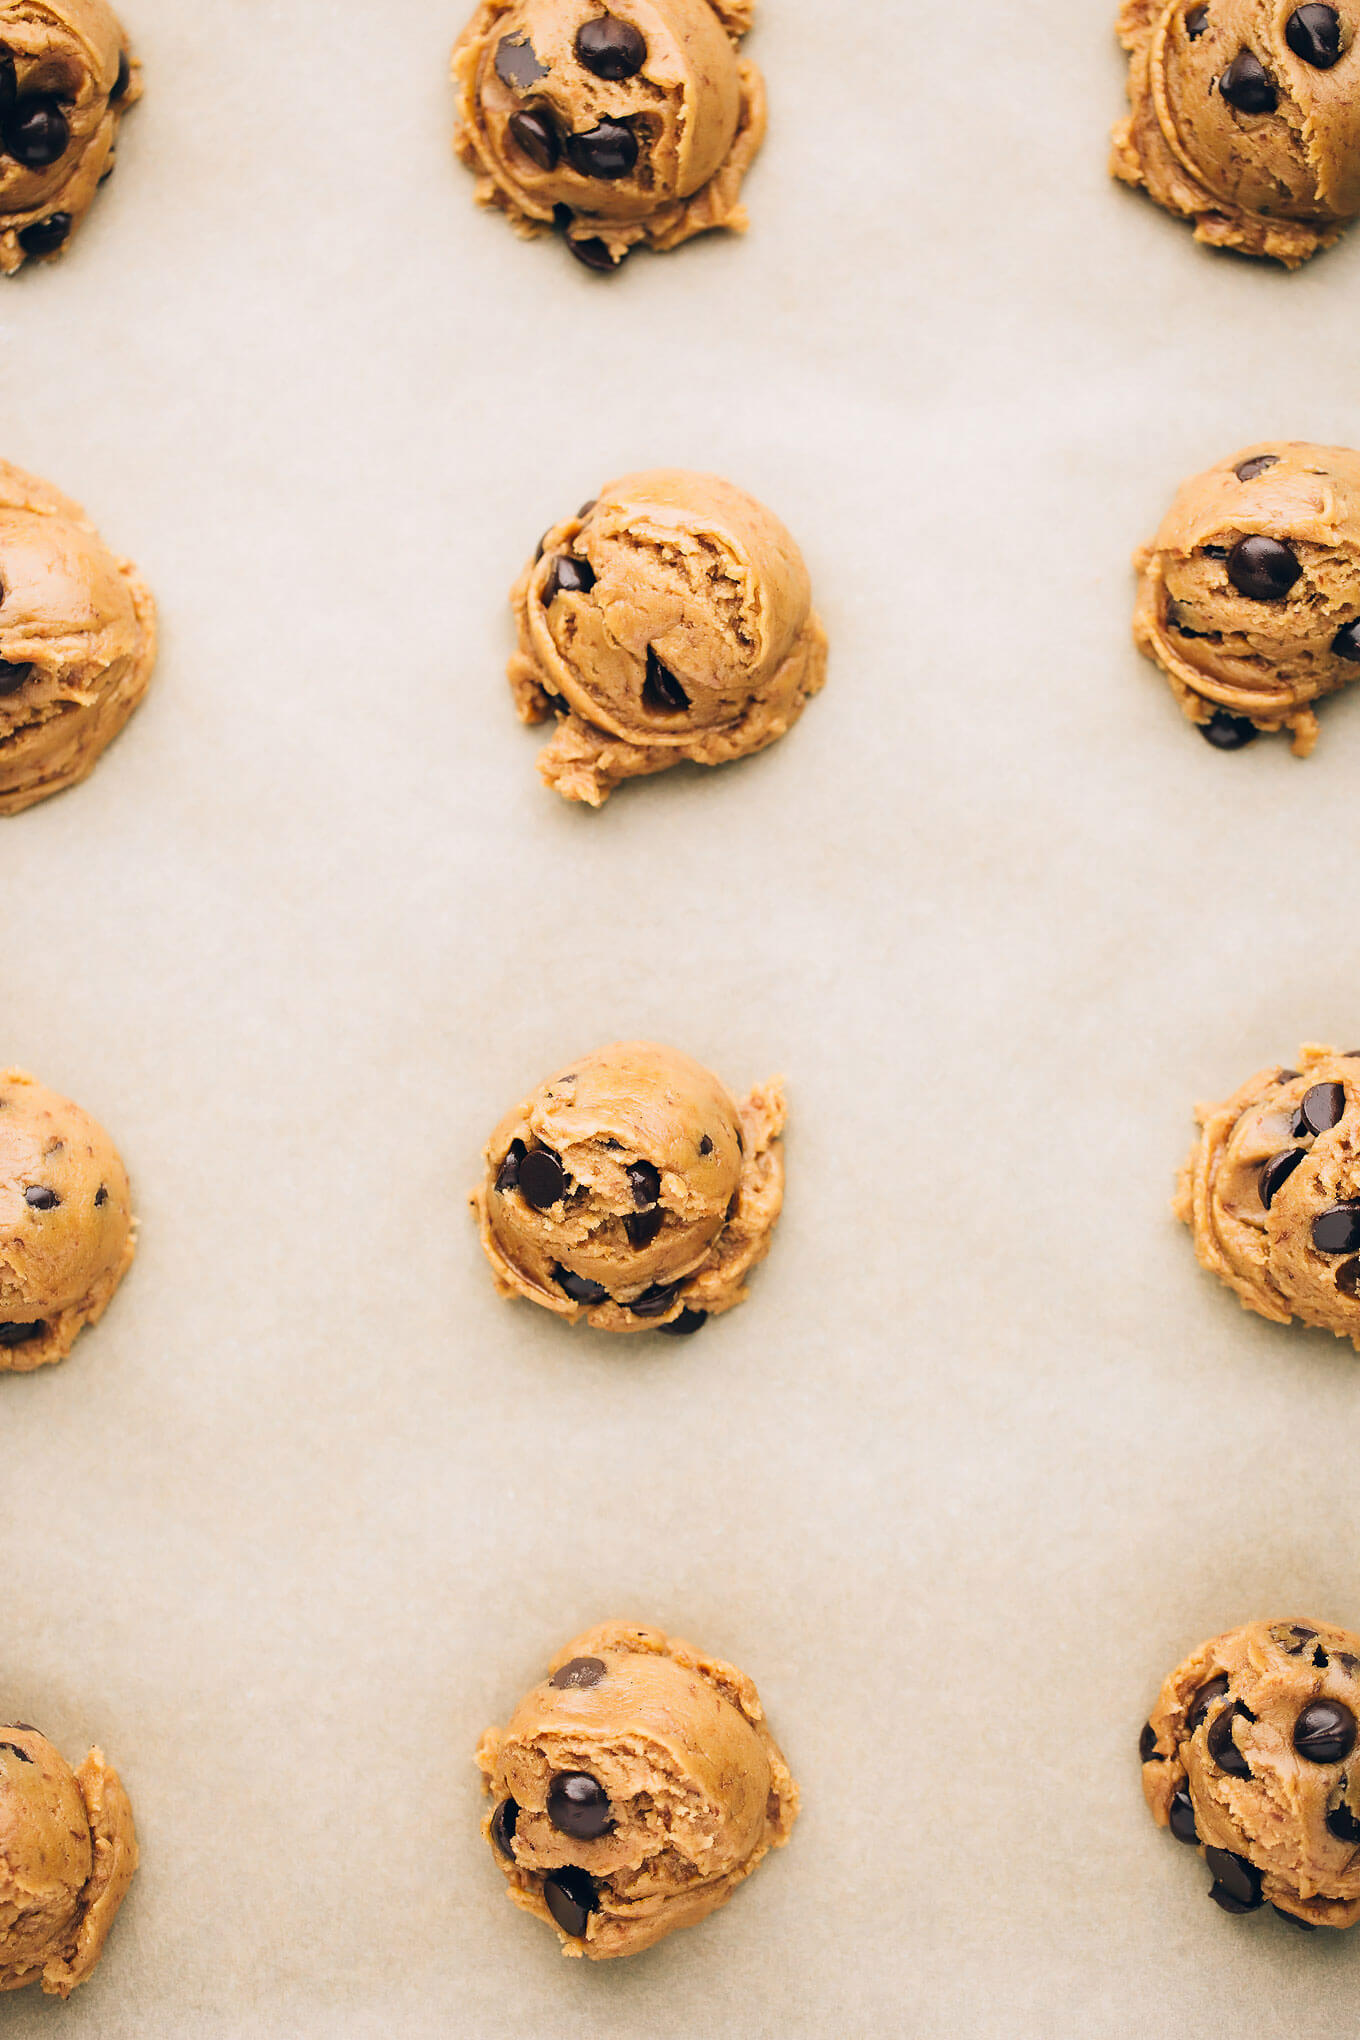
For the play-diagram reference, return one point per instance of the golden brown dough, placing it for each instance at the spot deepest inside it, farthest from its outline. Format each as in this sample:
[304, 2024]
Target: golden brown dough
[1246, 119]
[631, 1191]
[669, 619]
[67, 1234]
[1250, 1754]
[1249, 595]
[1271, 1192]
[68, 1851]
[66, 80]
[618, 128]
[77, 641]
[633, 1791]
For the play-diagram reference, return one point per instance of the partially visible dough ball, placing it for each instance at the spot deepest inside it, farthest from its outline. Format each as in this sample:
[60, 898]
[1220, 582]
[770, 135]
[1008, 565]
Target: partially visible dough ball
[66, 79]
[1271, 1192]
[1250, 1755]
[1246, 119]
[67, 1234]
[632, 1191]
[616, 127]
[77, 641]
[1249, 595]
[68, 1851]
[669, 619]
[633, 1790]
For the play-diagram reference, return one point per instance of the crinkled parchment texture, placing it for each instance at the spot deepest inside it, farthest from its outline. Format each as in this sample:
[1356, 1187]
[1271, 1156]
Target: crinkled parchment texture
[683, 1783]
[68, 1851]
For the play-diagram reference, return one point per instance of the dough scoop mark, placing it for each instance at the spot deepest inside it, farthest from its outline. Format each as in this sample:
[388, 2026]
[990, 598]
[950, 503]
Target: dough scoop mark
[578, 1805]
[1325, 1732]
[533, 130]
[517, 63]
[1246, 85]
[1314, 35]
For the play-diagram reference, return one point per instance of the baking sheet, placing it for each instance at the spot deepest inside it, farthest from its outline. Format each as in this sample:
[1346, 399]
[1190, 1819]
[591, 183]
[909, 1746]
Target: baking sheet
[986, 1454]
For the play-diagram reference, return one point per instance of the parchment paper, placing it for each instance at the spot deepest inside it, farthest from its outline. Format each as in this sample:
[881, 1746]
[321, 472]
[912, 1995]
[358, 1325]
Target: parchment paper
[986, 1453]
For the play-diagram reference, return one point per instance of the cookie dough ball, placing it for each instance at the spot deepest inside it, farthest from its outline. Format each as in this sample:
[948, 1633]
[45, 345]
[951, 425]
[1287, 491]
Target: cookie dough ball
[633, 1790]
[1271, 1192]
[66, 79]
[1245, 119]
[617, 128]
[632, 1191]
[1250, 1755]
[67, 1234]
[68, 1851]
[1249, 595]
[671, 618]
[77, 641]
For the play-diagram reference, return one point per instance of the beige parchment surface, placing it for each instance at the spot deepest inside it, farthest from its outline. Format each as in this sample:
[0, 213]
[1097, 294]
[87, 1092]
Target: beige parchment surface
[986, 1454]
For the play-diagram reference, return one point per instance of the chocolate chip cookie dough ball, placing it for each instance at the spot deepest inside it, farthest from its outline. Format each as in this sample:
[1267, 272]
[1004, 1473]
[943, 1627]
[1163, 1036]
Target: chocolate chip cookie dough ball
[66, 79]
[633, 1192]
[67, 1234]
[1245, 119]
[77, 641]
[617, 128]
[1250, 1755]
[1271, 1192]
[1249, 595]
[669, 619]
[633, 1791]
[68, 1851]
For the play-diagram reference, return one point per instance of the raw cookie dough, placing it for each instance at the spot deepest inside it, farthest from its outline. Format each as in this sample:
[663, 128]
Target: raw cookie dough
[67, 1234]
[632, 1192]
[633, 1790]
[1249, 595]
[1246, 119]
[671, 618]
[1271, 1192]
[68, 1851]
[77, 641]
[1250, 1753]
[617, 128]
[66, 79]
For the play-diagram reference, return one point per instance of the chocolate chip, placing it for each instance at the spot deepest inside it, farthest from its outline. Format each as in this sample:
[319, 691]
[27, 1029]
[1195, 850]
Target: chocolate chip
[1248, 470]
[124, 78]
[9, 85]
[44, 237]
[595, 254]
[101, 1197]
[1323, 1107]
[567, 576]
[1288, 1076]
[1348, 1280]
[586, 508]
[607, 152]
[532, 131]
[1344, 1824]
[1320, 1658]
[1338, 1231]
[40, 1198]
[642, 1227]
[1235, 1876]
[1207, 1697]
[1182, 1818]
[36, 131]
[14, 1749]
[1196, 21]
[1346, 643]
[1325, 1732]
[507, 1178]
[503, 1827]
[1148, 1751]
[517, 63]
[1302, 1639]
[1314, 34]
[1223, 1749]
[661, 691]
[13, 676]
[654, 1302]
[705, 1146]
[645, 1182]
[570, 1897]
[1304, 1926]
[542, 1179]
[578, 1805]
[1263, 569]
[579, 1288]
[1228, 732]
[579, 1672]
[1246, 86]
[1215, 552]
[686, 1325]
[1276, 1173]
[22, 1335]
[612, 49]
